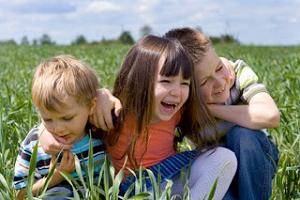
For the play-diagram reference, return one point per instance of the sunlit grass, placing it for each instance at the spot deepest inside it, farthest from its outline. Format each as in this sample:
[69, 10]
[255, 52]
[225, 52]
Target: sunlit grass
[278, 68]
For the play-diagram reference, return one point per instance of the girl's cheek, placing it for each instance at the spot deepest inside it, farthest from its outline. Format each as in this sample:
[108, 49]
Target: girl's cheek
[205, 93]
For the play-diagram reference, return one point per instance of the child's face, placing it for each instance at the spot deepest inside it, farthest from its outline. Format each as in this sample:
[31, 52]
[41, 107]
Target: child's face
[67, 125]
[213, 78]
[170, 93]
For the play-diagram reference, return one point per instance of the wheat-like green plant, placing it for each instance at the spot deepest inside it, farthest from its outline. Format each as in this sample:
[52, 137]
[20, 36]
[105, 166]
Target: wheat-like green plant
[277, 67]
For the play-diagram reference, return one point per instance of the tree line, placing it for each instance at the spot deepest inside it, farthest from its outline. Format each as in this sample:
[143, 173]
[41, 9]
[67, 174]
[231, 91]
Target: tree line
[125, 38]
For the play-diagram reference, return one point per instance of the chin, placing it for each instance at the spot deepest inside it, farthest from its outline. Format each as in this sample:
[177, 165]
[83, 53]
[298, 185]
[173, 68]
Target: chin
[217, 101]
[72, 141]
[222, 99]
[165, 118]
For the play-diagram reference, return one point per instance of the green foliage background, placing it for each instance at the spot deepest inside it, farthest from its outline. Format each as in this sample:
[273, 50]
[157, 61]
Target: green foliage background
[277, 67]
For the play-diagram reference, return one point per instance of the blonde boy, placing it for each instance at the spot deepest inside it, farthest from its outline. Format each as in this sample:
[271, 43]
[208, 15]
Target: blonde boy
[242, 106]
[64, 93]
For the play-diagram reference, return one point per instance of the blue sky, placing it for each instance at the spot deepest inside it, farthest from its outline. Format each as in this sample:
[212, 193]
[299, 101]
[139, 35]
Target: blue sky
[266, 22]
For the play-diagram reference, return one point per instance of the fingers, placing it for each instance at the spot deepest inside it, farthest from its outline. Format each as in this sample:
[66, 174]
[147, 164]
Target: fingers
[105, 103]
[67, 157]
[97, 120]
[111, 112]
[52, 162]
[102, 123]
[48, 142]
[118, 106]
[67, 162]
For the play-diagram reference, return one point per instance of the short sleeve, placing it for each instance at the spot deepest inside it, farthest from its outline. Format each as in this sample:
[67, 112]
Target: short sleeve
[247, 81]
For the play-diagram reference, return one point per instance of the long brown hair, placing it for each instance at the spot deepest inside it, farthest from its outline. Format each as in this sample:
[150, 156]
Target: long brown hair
[135, 82]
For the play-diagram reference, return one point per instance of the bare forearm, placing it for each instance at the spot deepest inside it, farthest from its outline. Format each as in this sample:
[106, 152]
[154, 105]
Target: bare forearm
[254, 117]
[21, 194]
[55, 180]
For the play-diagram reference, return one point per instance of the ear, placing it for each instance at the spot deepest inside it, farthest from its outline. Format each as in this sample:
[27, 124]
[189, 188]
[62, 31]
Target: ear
[92, 106]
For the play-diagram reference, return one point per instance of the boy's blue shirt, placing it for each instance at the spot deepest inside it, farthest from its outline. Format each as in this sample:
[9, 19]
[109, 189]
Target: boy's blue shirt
[80, 149]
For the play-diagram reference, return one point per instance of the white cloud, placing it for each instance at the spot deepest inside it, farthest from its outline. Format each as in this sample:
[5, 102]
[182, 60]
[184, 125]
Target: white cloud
[102, 6]
[252, 21]
[143, 6]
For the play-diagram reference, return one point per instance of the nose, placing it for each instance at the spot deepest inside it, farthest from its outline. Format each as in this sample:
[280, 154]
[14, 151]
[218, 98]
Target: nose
[218, 82]
[56, 128]
[176, 89]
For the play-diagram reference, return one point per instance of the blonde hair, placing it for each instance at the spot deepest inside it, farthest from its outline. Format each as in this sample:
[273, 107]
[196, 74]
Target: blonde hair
[63, 76]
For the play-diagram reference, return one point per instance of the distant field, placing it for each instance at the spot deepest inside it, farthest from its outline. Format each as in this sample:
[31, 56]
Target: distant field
[277, 67]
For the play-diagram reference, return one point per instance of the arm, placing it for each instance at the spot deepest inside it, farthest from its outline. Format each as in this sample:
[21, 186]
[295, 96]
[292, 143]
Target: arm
[21, 194]
[55, 180]
[38, 185]
[67, 165]
[106, 102]
[261, 112]
[102, 118]
[49, 143]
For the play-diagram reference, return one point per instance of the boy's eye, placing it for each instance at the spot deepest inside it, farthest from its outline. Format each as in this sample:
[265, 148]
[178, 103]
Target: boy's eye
[203, 82]
[47, 120]
[219, 68]
[68, 118]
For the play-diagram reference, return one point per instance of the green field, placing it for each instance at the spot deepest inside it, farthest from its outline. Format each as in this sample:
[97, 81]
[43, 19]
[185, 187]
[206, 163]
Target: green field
[277, 67]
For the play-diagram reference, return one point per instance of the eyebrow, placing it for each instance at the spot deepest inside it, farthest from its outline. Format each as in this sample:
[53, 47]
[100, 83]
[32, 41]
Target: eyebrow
[68, 115]
[218, 64]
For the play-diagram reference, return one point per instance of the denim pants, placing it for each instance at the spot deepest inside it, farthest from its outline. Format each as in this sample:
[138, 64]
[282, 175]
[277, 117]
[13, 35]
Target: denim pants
[59, 192]
[257, 158]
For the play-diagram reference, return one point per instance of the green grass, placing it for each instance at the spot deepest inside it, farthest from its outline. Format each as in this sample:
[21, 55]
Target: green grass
[277, 67]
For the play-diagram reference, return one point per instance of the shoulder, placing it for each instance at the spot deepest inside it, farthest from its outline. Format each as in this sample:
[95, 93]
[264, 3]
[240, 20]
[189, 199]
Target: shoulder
[83, 144]
[32, 136]
[234, 65]
[239, 66]
[244, 73]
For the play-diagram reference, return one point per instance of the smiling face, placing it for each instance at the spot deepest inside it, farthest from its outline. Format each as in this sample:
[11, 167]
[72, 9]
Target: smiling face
[213, 78]
[68, 124]
[170, 94]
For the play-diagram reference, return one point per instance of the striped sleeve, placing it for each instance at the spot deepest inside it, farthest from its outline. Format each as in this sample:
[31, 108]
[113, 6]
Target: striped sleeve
[247, 81]
[21, 170]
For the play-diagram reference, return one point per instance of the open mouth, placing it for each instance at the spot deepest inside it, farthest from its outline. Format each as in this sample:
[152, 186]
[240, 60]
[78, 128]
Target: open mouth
[63, 139]
[169, 105]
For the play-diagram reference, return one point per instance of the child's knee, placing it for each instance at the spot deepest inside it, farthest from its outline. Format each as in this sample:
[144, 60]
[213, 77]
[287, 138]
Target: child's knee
[245, 138]
[221, 159]
[227, 159]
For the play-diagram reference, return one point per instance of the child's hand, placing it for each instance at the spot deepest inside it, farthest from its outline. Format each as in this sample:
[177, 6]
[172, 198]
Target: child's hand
[67, 163]
[106, 102]
[49, 143]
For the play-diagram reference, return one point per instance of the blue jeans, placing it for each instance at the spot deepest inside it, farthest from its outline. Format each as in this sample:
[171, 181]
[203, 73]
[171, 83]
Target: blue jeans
[257, 163]
[63, 191]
